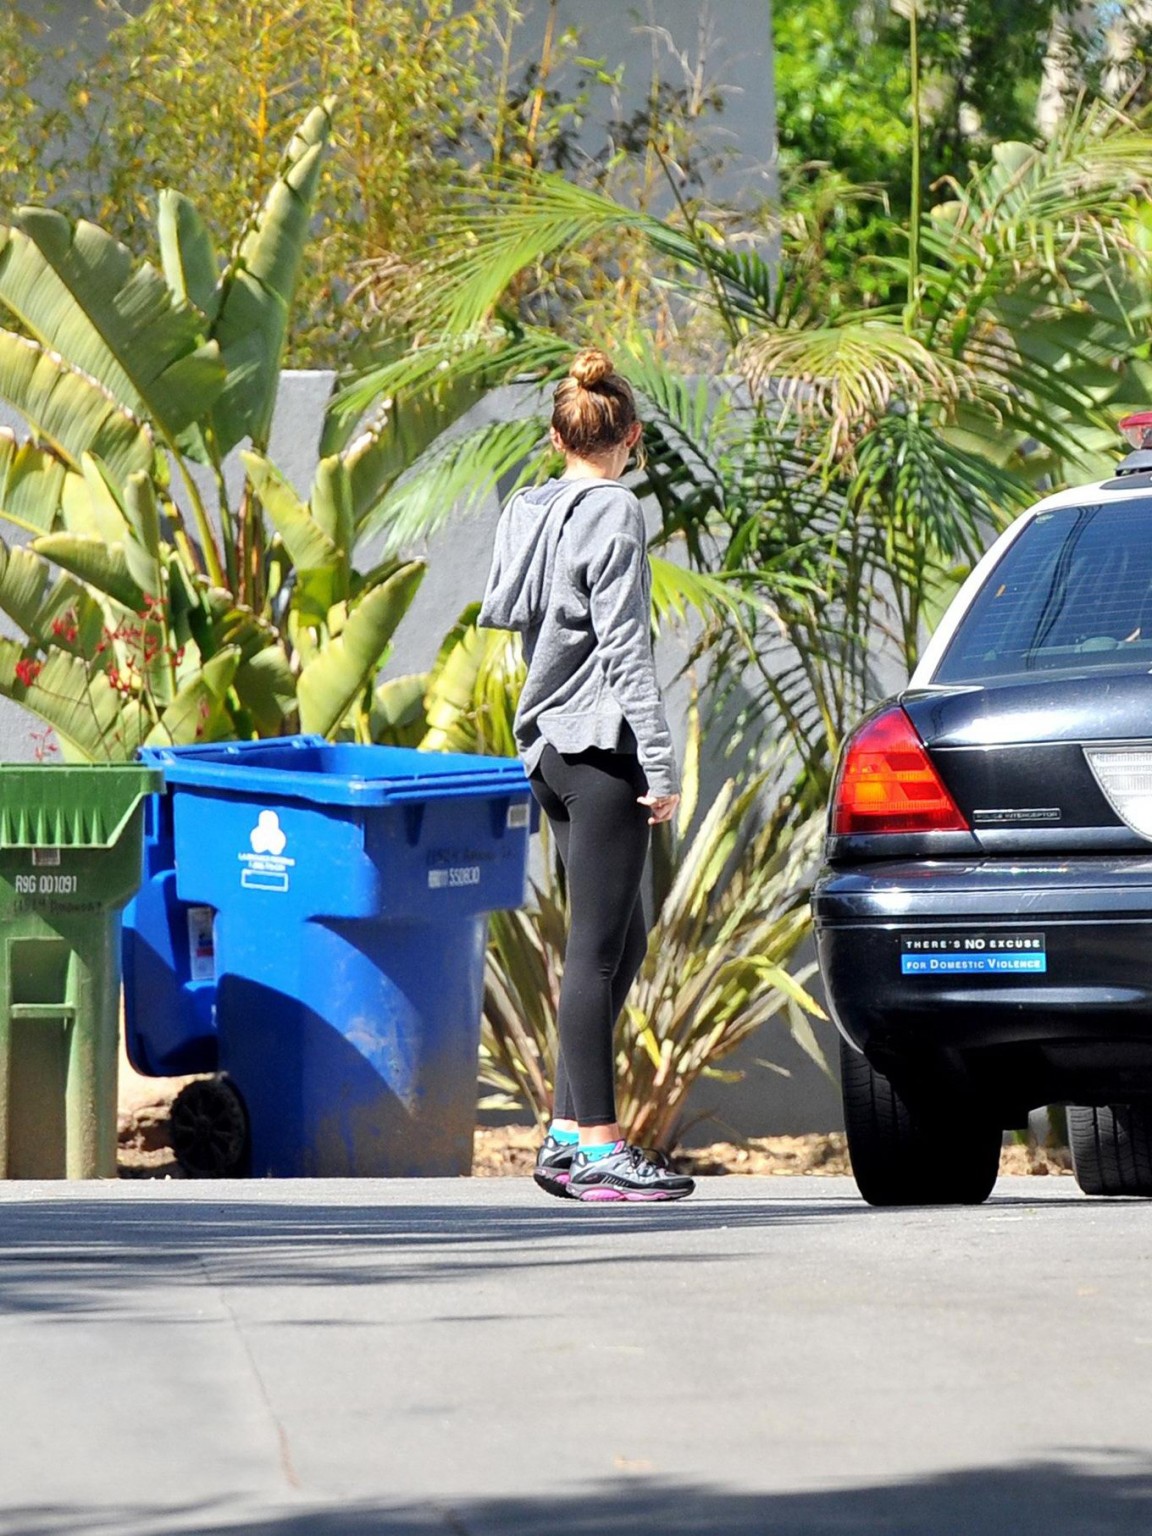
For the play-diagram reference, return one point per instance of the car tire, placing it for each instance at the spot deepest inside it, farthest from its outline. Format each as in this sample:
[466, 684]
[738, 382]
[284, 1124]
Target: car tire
[946, 1156]
[1111, 1148]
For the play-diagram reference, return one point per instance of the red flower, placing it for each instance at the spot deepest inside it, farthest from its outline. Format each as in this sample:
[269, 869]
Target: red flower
[65, 627]
[28, 671]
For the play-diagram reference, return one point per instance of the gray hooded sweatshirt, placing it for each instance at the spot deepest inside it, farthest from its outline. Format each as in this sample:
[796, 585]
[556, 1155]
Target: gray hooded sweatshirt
[573, 580]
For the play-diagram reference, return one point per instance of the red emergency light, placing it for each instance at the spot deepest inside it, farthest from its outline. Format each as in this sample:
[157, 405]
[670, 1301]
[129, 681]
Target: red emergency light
[1137, 428]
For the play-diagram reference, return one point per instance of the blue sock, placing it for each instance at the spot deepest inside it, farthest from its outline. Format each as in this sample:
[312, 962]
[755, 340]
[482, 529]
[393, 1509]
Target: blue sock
[565, 1138]
[598, 1150]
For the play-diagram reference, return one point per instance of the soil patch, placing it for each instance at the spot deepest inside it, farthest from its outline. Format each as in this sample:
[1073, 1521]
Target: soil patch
[509, 1151]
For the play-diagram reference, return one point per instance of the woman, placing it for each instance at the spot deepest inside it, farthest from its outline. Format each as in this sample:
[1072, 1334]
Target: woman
[570, 573]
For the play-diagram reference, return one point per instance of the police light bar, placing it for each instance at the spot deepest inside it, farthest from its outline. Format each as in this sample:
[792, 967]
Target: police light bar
[1137, 428]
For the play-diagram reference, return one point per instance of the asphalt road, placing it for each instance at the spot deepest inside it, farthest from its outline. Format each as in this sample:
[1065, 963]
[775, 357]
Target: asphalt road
[470, 1358]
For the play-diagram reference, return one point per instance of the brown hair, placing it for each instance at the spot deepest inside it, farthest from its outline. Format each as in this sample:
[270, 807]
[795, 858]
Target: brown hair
[593, 407]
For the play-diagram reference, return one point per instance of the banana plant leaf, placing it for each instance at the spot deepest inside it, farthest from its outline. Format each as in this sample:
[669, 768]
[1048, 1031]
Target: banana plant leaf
[142, 553]
[100, 565]
[24, 580]
[198, 711]
[93, 722]
[266, 686]
[187, 254]
[68, 411]
[309, 545]
[71, 619]
[331, 502]
[339, 674]
[411, 424]
[75, 288]
[31, 483]
[93, 503]
[51, 610]
[259, 286]
[397, 717]
[472, 691]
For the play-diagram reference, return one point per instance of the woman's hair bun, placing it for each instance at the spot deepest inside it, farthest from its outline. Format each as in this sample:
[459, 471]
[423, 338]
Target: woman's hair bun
[590, 367]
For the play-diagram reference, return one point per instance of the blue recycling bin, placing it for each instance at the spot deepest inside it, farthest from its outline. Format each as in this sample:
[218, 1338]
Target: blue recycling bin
[168, 964]
[339, 899]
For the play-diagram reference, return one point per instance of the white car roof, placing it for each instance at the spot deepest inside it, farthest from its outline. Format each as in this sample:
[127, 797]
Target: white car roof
[1098, 490]
[1077, 495]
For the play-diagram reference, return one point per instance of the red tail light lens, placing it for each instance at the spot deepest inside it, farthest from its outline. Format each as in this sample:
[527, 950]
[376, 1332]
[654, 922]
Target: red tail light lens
[887, 783]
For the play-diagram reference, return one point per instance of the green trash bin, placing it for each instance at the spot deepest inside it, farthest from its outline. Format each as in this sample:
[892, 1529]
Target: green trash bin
[71, 848]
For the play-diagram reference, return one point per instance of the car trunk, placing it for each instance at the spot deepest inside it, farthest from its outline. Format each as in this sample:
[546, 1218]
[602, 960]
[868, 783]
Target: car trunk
[1012, 755]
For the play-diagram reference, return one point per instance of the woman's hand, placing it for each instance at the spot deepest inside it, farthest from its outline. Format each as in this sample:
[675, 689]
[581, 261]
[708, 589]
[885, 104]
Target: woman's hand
[663, 807]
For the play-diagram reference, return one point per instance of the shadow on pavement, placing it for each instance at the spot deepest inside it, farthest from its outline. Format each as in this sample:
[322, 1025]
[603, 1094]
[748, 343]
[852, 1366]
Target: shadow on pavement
[88, 1255]
[57, 1255]
[1044, 1498]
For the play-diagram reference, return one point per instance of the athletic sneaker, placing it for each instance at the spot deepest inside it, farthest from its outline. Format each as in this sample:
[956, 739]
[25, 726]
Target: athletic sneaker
[625, 1173]
[553, 1166]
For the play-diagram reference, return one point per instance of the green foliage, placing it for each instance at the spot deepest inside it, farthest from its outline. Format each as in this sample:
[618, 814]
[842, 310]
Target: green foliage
[434, 95]
[844, 120]
[828, 505]
[842, 83]
[261, 622]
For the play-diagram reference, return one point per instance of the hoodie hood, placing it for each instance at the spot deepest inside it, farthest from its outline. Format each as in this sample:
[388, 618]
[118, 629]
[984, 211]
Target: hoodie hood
[524, 557]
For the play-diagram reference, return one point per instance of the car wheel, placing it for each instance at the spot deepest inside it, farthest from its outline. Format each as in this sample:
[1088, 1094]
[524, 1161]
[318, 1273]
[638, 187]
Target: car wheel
[1111, 1148]
[904, 1157]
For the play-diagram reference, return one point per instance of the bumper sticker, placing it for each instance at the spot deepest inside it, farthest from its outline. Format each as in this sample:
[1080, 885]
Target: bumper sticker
[972, 954]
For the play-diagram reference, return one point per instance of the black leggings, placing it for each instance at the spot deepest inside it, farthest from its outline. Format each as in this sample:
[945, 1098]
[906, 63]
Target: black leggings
[602, 835]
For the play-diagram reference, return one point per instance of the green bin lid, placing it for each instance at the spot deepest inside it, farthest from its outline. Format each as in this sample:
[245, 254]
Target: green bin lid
[65, 805]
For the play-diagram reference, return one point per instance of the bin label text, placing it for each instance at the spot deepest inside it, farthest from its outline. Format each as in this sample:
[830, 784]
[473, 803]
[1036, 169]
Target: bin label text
[266, 868]
[517, 817]
[450, 879]
[201, 945]
[46, 885]
[45, 857]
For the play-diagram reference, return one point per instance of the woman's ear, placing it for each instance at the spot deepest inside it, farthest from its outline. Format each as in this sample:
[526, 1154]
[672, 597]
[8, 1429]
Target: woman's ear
[556, 440]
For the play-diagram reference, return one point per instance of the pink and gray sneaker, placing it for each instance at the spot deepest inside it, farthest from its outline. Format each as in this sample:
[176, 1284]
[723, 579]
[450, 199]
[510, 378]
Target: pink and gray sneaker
[625, 1173]
[553, 1166]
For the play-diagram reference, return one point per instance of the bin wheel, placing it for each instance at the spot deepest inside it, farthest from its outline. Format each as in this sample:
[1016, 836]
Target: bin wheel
[208, 1129]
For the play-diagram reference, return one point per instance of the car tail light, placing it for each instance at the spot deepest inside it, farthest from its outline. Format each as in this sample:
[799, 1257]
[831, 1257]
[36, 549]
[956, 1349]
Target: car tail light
[887, 783]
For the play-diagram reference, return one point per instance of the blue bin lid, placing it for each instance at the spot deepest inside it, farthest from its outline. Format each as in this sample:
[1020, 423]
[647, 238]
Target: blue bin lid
[311, 768]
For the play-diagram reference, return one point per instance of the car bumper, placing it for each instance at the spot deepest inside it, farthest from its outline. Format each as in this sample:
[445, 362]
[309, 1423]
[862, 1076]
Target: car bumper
[952, 959]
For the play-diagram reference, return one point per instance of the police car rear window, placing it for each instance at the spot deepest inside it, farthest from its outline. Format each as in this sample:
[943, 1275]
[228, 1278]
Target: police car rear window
[1072, 593]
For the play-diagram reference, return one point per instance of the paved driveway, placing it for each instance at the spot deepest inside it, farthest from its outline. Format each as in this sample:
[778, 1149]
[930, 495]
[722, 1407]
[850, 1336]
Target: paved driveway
[343, 1358]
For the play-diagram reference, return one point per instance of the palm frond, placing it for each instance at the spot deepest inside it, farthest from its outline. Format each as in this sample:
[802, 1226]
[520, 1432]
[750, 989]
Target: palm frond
[848, 374]
[455, 478]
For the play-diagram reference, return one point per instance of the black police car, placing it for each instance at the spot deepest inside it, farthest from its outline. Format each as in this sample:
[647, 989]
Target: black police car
[984, 919]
